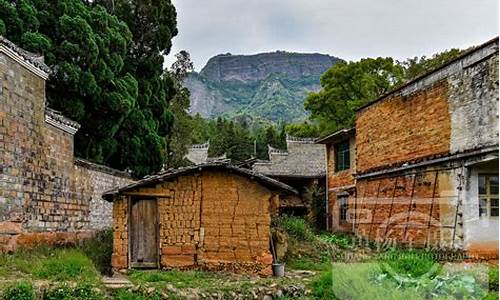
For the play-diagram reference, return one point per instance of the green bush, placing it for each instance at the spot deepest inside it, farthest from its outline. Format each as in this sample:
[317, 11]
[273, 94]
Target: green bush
[323, 287]
[138, 295]
[99, 249]
[493, 278]
[410, 262]
[343, 241]
[80, 292]
[20, 291]
[66, 265]
[296, 227]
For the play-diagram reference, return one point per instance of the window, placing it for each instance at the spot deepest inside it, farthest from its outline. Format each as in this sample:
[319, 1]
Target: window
[488, 195]
[342, 157]
[343, 207]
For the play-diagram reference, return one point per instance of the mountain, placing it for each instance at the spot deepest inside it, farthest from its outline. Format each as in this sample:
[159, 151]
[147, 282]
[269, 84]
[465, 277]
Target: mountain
[271, 86]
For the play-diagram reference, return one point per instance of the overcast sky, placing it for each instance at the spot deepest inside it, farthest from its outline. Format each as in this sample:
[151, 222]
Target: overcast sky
[349, 29]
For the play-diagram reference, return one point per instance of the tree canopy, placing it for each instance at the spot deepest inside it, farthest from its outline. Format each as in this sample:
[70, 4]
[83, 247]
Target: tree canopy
[106, 76]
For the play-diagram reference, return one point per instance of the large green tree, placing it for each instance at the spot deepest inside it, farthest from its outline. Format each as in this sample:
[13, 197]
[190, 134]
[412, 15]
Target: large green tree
[347, 85]
[153, 25]
[105, 76]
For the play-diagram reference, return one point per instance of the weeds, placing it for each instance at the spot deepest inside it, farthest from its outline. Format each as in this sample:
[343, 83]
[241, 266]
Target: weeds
[65, 264]
[19, 291]
[99, 249]
[80, 292]
[296, 227]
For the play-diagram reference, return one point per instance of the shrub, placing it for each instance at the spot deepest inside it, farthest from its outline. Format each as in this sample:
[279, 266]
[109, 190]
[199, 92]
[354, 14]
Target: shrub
[138, 295]
[99, 249]
[296, 227]
[66, 265]
[343, 241]
[411, 262]
[20, 291]
[323, 287]
[80, 292]
[493, 278]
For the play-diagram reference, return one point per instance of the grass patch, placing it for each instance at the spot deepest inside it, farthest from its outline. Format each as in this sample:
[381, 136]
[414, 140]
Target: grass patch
[57, 264]
[99, 249]
[296, 227]
[66, 264]
[79, 292]
[180, 279]
[19, 291]
[409, 262]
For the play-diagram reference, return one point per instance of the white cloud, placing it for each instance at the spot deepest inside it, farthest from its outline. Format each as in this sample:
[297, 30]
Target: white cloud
[348, 29]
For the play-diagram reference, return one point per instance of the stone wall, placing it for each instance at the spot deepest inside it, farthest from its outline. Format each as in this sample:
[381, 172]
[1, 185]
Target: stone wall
[44, 196]
[210, 219]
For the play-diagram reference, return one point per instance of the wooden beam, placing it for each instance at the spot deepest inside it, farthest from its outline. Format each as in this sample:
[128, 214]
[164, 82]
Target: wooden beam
[147, 194]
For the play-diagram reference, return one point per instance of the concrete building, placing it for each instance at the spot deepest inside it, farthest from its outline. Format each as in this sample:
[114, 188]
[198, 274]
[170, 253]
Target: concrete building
[423, 160]
[211, 216]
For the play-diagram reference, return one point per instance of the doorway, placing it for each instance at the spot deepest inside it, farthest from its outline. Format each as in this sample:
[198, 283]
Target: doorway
[144, 233]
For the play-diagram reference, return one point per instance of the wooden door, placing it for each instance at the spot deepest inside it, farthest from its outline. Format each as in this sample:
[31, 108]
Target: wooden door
[144, 233]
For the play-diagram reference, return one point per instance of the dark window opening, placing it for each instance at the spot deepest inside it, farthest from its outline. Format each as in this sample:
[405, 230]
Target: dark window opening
[342, 156]
[343, 207]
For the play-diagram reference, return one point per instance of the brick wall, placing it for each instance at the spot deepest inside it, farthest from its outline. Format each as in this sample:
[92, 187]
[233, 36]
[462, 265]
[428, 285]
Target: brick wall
[44, 197]
[339, 182]
[213, 220]
[403, 128]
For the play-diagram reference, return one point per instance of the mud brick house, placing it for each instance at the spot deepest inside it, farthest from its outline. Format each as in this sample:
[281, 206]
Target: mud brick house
[423, 160]
[301, 166]
[46, 195]
[211, 216]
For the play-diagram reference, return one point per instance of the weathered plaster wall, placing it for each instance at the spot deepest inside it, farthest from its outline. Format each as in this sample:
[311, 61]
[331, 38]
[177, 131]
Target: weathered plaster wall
[481, 233]
[213, 220]
[44, 197]
[473, 106]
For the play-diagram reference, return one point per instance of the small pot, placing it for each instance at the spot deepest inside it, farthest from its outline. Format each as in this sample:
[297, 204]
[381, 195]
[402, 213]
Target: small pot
[278, 270]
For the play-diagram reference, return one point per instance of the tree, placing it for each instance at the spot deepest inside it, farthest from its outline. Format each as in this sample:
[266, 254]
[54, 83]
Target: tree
[142, 136]
[419, 65]
[178, 138]
[85, 47]
[348, 85]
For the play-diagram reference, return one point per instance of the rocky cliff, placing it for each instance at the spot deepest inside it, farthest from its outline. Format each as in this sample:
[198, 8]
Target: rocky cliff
[268, 85]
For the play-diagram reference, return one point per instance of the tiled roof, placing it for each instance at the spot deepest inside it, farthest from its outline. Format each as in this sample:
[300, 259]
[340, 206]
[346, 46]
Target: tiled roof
[172, 173]
[25, 57]
[303, 158]
[56, 119]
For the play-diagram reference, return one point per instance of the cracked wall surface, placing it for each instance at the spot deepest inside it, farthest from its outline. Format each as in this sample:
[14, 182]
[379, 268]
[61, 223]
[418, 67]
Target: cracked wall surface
[209, 219]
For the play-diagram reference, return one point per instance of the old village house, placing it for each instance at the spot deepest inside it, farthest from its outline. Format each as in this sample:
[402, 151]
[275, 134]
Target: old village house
[301, 165]
[421, 165]
[211, 216]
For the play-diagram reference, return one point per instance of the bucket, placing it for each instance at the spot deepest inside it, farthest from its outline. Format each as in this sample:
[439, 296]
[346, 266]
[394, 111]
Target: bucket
[278, 270]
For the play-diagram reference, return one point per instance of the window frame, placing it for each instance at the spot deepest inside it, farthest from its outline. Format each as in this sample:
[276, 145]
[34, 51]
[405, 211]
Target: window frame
[343, 205]
[346, 164]
[487, 197]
